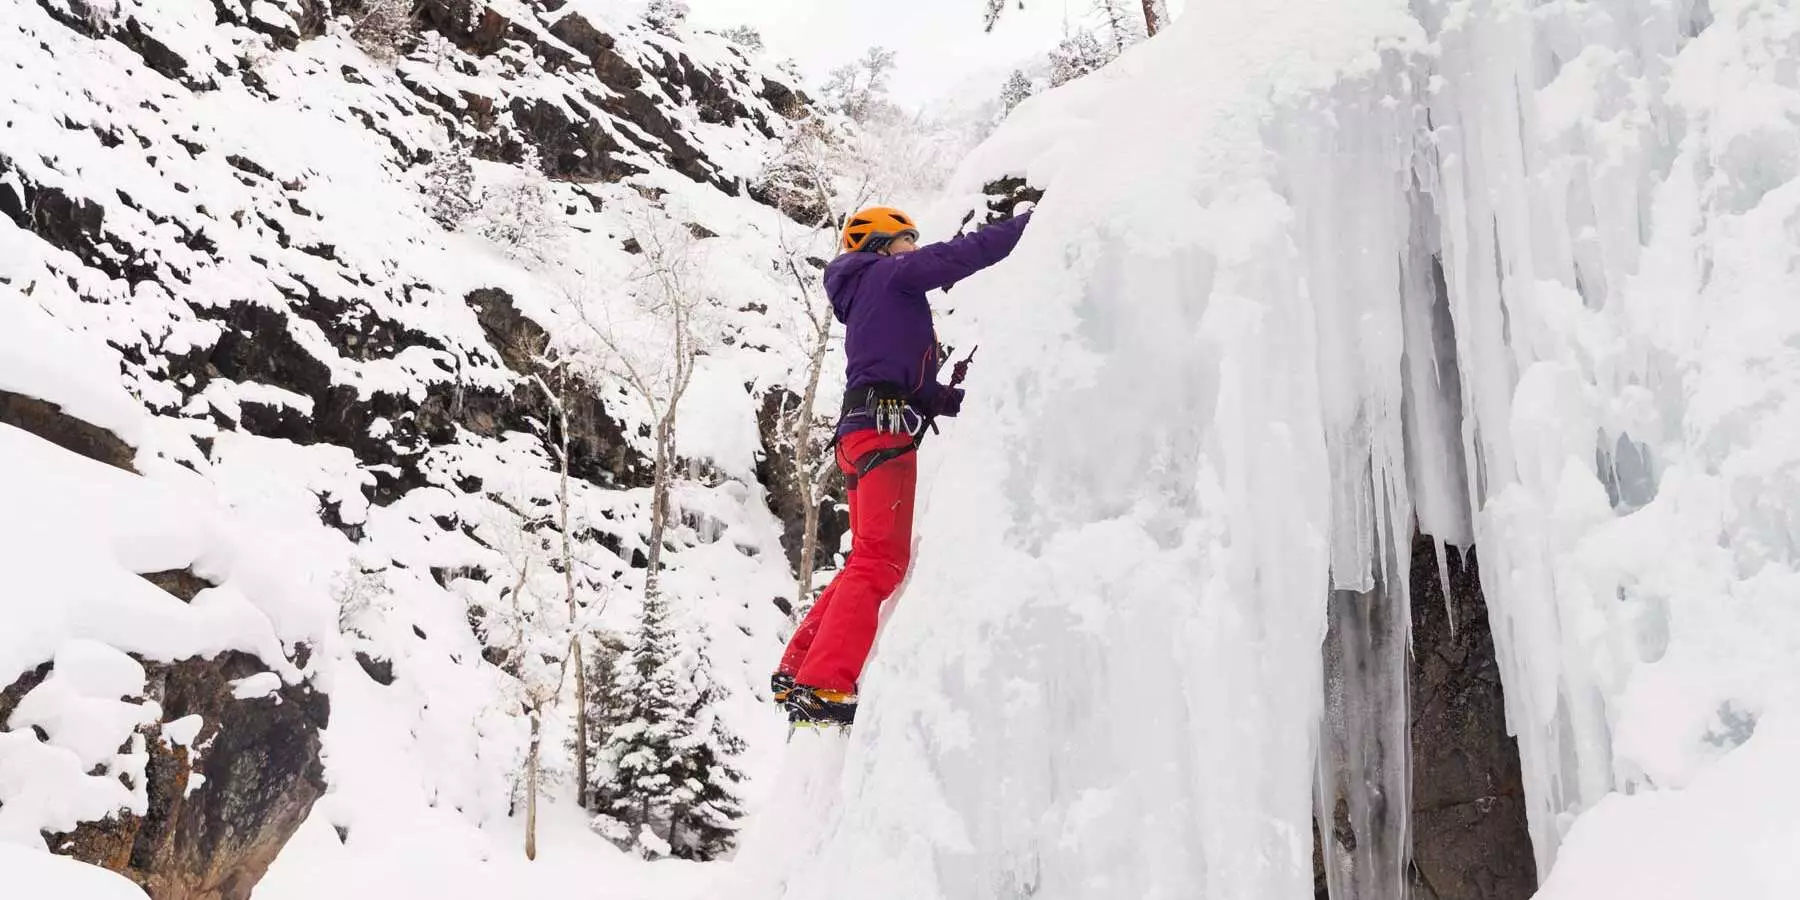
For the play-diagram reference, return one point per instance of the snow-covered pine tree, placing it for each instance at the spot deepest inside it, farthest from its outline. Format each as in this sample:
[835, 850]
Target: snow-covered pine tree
[708, 827]
[605, 703]
[665, 16]
[520, 213]
[860, 89]
[1017, 88]
[1078, 54]
[449, 186]
[666, 779]
[384, 28]
[744, 36]
[648, 739]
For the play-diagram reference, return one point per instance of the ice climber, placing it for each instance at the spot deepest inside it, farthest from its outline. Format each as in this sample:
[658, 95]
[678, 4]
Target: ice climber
[877, 288]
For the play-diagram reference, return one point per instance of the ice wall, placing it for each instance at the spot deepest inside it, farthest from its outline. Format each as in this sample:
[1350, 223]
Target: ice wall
[1104, 678]
[1616, 188]
[1522, 273]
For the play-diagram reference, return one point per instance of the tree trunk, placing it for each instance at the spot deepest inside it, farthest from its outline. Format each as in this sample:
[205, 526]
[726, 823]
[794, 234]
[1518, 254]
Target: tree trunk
[1154, 17]
[659, 499]
[809, 537]
[581, 724]
[575, 655]
[531, 789]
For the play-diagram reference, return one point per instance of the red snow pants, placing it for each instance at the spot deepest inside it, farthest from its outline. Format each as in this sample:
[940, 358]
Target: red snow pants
[828, 649]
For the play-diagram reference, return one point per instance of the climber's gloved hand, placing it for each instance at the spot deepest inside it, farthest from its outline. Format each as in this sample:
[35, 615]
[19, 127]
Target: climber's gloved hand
[948, 402]
[1022, 207]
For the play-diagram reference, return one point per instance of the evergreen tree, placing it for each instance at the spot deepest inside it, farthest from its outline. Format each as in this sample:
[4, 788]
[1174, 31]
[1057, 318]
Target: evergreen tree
[646, 738]
[1017, 88]
[860, 90]
[666, 782]
[449, 186]
[666, 15]
[745, 36]
[1078, 54]
[606, 707]
[520, 213]
[708, 827]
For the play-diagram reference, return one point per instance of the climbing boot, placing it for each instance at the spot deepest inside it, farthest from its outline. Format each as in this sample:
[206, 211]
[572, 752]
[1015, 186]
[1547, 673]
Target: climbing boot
[780, 684]
[814, 707]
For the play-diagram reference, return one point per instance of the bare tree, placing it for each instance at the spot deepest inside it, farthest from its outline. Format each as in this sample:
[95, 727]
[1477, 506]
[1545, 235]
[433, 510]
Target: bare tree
[1121, 31]
[809, 484]
[654, 351]
[534, 624]
[531, 643]
[995, 8]
[559, 406]
[829, 183]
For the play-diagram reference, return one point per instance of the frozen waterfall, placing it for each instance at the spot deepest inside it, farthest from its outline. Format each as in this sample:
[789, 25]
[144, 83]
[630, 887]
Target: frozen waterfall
[1524, 274]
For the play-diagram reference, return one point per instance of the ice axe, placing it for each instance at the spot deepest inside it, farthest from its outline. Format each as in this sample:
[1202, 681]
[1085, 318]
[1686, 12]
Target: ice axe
[957, 373]
[961, 370]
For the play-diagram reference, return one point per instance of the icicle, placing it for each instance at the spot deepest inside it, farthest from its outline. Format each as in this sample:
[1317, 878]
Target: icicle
[1365, 766]
[1442, 551]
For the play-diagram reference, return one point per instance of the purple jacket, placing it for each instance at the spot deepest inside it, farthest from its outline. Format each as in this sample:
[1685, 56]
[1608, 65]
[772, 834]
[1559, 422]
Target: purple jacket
[888, 332]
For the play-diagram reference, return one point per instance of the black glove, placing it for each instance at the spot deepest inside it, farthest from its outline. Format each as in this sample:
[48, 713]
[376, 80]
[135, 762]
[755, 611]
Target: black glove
[948, 402]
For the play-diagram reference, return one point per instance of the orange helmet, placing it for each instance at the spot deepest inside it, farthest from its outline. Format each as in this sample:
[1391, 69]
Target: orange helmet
[877, 222]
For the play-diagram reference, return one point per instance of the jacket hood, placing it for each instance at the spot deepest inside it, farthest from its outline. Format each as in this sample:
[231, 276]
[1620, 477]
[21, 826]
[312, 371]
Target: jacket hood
[841, 278]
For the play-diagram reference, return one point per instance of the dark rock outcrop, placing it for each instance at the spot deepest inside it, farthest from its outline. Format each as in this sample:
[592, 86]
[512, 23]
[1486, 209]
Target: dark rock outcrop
[181, 583]
[48, 421]
[260, 771]
[787, 500]
[1470, 837]
[1003, 195]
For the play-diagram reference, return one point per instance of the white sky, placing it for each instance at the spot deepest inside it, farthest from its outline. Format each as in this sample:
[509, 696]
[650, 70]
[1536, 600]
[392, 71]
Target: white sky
[942, 48]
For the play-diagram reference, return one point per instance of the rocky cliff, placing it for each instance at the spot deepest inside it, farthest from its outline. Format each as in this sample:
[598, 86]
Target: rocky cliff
[315, 287]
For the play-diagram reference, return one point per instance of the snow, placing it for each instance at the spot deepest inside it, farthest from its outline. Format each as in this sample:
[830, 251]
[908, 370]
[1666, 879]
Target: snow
[182, 732]
[256, 687]
[1219, 383]
[44, 360]
[198, 242]
[43, 875]
[1731, 833]
[78, 706]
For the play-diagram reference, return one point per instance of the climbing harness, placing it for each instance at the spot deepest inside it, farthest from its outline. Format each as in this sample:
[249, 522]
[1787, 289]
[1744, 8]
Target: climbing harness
[889, 406]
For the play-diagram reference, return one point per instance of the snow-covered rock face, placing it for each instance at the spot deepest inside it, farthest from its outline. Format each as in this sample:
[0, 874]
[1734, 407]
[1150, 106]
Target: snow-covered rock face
[1220, 381]
[317, 423]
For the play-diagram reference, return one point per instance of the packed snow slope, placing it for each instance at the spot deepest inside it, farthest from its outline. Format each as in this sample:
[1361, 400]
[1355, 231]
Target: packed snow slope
[1523, 274]
[311, 386]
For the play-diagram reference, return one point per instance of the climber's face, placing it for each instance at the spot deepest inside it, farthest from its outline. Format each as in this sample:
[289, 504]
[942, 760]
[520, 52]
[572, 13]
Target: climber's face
[905, 243]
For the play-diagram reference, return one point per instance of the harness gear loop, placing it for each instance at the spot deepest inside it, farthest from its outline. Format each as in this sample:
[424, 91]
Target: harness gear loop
[887, 405]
